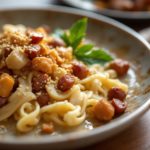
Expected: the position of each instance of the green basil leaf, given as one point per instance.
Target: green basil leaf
(65, 38)
(78, 30)
(75, 34)
(98, 54)
(80, 51)
(91, 61)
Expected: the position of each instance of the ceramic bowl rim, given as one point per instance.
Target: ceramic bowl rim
(103, 129)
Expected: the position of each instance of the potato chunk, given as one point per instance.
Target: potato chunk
(16, 60)
(103, 110)
(6, 84)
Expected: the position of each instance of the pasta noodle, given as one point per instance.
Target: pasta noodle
(46, 84)
(20, 96)
(29, 116)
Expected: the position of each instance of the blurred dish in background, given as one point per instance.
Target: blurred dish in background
(125, 5)
(146, 34)
(123, 9)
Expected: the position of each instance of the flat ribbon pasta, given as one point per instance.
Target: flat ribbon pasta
(63, 113)
(29, 119)
(106, 82)
(53, 93)
(20, 96)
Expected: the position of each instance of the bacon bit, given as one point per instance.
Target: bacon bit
(116, 93)
(120, 66)
(80, 71)
(119, 106)
(39, 81)
(65, 82)
(33, 51)
(43, 99)
(47, 128)
(35, 37)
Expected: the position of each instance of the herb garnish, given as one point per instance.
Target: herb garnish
(86, 52)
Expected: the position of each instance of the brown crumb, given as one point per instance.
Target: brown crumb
(47, 128)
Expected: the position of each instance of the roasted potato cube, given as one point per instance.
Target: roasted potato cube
(6, 84)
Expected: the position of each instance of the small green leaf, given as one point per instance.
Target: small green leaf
(83, 49)
(78, 30)
(74, 36)
(99, 54)
(92, 61)
(65, 38)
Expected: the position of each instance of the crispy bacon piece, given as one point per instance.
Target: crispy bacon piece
(43, 99)
(120, 66)
(80, 70)
(116, 93)
(39, 81)
(35, 37)
(119, 106)
(65, 82)
(33, 51)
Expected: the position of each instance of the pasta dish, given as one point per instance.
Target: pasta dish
(57, 78)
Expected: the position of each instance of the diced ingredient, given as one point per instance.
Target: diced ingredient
(33, 51)
(39, 81)
(103, 110)
(3, 101)
(65, 82)
(119, 106)
(47, 128)
(43, 99)
(80, 71)
(16, 60)
(35, 37)
(56, 42)
(43, 64)
(120, 66)
(116, 93)
(6, 84)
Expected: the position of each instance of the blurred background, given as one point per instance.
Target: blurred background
(134, 13)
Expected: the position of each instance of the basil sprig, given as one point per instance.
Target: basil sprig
(86, 52)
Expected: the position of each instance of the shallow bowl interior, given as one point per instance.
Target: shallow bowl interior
(107, 33)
